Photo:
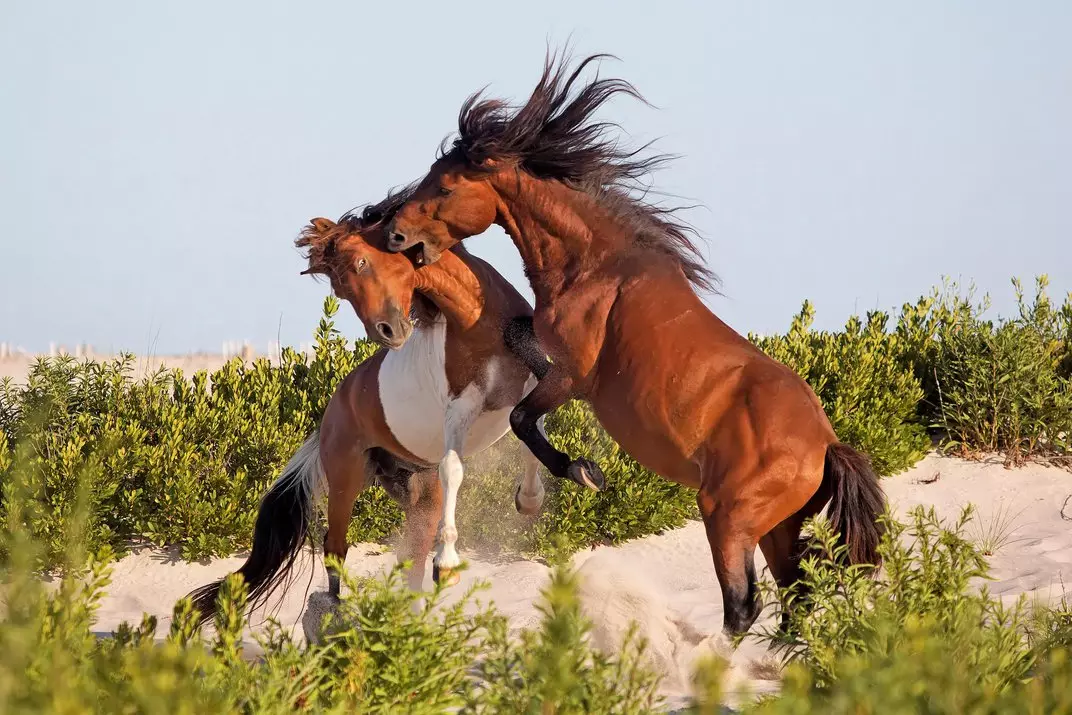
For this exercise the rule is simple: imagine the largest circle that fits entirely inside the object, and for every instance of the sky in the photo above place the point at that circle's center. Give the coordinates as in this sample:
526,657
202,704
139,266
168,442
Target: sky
157,160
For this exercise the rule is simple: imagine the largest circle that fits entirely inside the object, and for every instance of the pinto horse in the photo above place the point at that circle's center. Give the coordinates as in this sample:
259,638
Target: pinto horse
618,313
443,389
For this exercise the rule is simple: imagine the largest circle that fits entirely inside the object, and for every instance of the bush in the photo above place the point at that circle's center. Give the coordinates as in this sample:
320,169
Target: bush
977,385
1005,387
921,637
918,638
377,652
927,580
185,461
922,673
860,376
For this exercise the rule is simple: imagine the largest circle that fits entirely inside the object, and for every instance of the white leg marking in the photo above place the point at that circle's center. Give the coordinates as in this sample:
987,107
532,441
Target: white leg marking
461,413
451,474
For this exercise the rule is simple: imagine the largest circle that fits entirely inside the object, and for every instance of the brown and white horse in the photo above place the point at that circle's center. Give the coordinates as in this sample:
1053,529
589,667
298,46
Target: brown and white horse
617,311
443,389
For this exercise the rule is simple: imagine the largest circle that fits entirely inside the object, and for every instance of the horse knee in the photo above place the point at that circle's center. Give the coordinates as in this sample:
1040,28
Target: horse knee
517,419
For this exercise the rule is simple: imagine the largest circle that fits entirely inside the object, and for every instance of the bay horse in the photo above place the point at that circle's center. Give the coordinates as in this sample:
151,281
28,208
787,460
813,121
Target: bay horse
617,310
442,387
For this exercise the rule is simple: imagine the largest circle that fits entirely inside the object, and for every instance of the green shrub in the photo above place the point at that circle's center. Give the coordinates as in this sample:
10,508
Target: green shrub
927,578
183,461
921,637
1005,387
860,376
922,672
918,638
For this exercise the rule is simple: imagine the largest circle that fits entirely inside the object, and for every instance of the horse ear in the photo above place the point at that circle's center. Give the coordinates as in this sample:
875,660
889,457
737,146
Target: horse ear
322,224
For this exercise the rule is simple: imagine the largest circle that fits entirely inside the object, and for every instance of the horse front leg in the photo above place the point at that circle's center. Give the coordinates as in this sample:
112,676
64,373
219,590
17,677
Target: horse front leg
461,414
553,389
550,393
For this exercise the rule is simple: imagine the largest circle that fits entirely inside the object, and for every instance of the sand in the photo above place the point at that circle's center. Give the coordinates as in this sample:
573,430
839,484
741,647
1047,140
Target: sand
666,582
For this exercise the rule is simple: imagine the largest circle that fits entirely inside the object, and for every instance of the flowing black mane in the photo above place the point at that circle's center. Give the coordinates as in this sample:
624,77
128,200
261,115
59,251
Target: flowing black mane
554,136
369,216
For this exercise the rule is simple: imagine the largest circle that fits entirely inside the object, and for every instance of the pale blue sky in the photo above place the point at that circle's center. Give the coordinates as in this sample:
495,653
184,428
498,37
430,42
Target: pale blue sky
157,159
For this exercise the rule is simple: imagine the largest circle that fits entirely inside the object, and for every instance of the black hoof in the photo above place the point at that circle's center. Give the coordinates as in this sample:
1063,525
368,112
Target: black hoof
586,473
737,622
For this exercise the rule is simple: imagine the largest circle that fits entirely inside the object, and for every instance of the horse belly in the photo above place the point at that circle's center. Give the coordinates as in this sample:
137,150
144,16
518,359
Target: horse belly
487,429
656,414
650,442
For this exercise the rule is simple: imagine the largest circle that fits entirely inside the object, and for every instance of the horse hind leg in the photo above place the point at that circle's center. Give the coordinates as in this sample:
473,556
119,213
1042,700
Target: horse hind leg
738,508
530,492
783,548
422,519
733,552
346,477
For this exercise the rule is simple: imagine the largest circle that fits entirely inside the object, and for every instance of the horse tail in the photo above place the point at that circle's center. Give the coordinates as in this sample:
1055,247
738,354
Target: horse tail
284,519
856,502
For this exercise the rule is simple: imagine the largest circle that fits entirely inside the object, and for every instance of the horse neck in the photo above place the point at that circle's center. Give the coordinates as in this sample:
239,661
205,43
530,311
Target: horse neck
560,233
454,288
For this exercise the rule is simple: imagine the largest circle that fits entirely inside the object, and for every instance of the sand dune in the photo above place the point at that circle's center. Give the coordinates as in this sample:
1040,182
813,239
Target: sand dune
667,582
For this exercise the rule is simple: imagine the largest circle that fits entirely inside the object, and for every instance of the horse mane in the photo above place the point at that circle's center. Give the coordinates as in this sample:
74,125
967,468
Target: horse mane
554,136
368,221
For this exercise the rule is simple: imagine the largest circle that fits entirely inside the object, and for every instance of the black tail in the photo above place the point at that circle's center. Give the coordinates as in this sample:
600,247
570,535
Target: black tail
856,502
283,521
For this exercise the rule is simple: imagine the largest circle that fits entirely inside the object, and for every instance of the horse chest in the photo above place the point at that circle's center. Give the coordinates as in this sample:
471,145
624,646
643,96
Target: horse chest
417,404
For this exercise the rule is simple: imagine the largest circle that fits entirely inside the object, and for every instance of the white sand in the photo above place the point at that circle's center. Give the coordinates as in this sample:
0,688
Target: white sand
667,582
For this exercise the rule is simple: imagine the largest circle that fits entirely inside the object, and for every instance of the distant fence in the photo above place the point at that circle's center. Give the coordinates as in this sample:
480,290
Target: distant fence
229,349
245,351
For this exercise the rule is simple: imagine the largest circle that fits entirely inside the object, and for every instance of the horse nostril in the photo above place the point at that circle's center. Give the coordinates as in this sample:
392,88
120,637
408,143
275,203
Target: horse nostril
385,331
396,239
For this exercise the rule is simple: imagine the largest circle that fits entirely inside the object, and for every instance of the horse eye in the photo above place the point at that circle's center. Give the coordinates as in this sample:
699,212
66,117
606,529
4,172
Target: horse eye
444,191
361,264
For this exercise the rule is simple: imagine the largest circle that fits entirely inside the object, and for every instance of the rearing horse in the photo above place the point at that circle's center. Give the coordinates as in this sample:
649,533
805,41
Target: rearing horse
617,312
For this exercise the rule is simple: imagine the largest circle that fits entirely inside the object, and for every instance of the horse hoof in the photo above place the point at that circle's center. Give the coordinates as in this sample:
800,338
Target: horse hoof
532,508
445,575
586,473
